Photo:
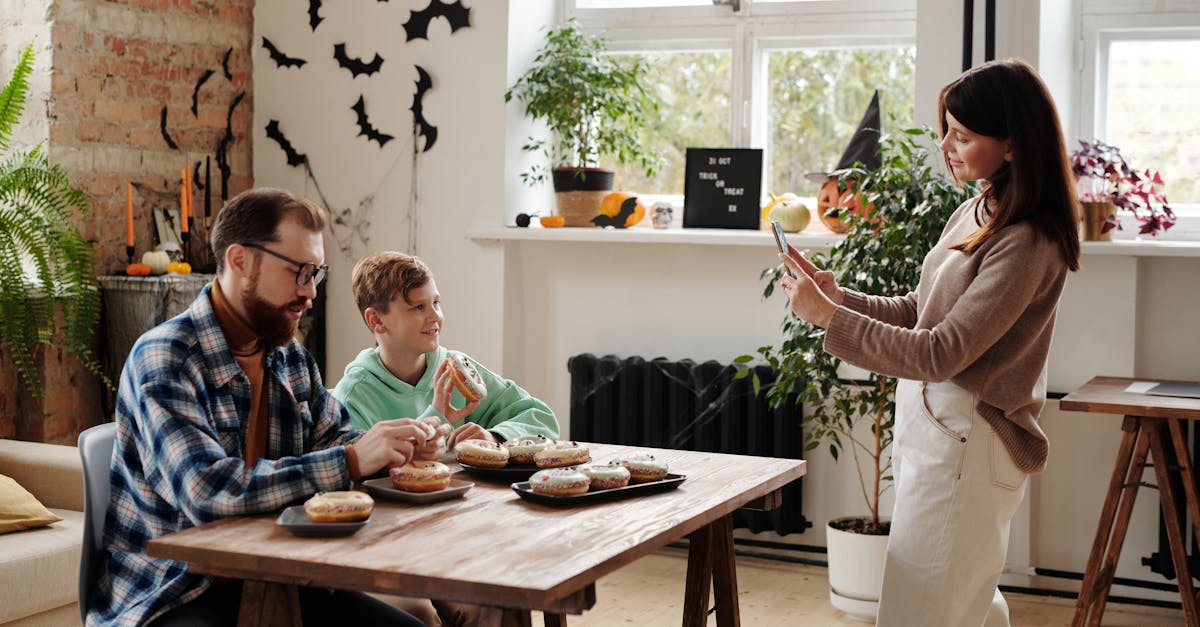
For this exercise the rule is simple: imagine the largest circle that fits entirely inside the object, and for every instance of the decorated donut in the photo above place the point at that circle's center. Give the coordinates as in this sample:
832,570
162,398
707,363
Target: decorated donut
420,476
643,467
344,506
521,450
481,453
559,481
562,453
606,476
465,377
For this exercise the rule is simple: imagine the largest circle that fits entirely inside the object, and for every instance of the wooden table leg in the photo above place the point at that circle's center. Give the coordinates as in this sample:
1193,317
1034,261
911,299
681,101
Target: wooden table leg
1191,494
1130,428
724,575
1166,496
699,576
555,620
266,604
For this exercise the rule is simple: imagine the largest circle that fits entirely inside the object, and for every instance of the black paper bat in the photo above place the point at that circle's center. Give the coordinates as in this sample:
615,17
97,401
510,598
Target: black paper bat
162,126
618,221
364,125
281,59
196,177
314,17
223,147
293,157
196,89
417,26
225,64
424,128
356,66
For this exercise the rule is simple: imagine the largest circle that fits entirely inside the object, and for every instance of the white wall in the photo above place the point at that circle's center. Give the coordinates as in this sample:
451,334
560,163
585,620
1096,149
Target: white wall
24,22
525,307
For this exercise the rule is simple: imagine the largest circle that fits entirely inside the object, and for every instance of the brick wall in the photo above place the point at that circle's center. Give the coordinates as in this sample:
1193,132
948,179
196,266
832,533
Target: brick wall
113,66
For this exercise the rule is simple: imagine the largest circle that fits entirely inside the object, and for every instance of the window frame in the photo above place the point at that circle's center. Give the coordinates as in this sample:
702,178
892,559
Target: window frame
1102,22
749,34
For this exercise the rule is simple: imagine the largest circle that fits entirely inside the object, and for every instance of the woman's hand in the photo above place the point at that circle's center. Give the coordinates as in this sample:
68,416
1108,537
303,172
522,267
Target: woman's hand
471,431
443,389
823,278
390,443
808,299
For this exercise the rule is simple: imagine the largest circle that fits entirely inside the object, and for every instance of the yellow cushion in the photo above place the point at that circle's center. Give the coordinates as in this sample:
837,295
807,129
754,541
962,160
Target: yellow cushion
19,509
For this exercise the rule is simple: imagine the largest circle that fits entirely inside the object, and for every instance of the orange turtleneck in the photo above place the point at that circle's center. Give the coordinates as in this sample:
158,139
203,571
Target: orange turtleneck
250,351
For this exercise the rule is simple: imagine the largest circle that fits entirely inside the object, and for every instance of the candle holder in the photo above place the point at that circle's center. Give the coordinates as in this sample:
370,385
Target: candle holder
186,236
128,255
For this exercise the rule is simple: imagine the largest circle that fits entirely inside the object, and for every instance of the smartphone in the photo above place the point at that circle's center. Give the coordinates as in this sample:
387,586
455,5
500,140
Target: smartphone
781,242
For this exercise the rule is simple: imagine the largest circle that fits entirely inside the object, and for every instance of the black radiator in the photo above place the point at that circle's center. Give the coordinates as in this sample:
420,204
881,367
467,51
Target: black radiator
690,406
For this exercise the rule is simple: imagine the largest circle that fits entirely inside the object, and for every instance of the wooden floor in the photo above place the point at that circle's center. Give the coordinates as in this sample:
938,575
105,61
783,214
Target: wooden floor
649,593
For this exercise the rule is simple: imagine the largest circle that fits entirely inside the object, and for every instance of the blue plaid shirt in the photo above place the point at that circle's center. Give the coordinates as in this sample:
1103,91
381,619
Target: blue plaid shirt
181,416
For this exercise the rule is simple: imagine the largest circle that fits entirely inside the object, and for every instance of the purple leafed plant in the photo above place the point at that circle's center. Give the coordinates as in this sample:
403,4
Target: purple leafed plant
1102,175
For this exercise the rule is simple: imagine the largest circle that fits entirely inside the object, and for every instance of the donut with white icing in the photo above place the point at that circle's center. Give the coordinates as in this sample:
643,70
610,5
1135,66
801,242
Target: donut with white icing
465,377
606,476
559,482
643,467
424,476
522,450
562,453
342,506
481,453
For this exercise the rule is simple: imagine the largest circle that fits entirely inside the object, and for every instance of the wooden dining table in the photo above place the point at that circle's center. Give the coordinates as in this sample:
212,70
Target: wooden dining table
494,549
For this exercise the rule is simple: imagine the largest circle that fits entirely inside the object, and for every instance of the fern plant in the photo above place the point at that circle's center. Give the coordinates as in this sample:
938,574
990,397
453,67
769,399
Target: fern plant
49,292
910,201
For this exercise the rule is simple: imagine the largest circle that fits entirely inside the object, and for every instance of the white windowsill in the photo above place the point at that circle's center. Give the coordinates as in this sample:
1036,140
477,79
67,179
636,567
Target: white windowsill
746,237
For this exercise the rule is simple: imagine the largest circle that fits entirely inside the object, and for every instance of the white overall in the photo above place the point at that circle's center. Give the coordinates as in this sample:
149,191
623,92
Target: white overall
957,490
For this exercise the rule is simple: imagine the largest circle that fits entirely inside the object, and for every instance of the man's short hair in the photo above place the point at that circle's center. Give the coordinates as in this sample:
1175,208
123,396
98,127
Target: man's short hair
380,277
254,215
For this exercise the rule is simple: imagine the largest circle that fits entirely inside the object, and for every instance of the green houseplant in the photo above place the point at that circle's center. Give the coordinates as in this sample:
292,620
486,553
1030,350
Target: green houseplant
593,105
49,293
908,201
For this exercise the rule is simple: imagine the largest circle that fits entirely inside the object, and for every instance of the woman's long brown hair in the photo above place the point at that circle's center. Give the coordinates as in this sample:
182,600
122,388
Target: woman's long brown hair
1007,100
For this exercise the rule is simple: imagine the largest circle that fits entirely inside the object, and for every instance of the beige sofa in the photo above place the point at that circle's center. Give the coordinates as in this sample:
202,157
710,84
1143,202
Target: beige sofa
39,568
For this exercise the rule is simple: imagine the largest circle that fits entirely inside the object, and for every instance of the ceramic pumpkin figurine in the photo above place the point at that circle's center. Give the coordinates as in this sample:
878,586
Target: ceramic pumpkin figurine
612,204
830,196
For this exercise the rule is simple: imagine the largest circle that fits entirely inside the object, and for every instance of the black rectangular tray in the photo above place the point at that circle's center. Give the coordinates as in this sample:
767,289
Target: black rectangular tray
671,482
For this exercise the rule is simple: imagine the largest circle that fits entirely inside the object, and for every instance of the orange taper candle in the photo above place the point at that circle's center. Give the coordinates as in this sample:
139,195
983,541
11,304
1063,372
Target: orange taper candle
129,214
183,201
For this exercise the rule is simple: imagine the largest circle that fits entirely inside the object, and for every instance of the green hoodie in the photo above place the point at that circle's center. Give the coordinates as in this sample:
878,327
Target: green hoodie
372,393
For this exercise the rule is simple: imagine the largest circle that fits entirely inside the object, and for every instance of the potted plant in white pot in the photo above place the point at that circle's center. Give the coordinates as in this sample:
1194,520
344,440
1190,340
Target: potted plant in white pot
49,293
907,201
594,106
1106,183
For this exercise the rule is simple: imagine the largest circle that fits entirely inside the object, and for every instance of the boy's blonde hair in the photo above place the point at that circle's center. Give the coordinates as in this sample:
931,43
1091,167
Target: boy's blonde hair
378,278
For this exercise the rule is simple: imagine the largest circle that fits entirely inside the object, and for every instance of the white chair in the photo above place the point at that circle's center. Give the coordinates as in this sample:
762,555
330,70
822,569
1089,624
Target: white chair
95,449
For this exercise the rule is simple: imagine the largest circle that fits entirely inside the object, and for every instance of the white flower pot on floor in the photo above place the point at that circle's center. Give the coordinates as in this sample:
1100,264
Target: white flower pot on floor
855,571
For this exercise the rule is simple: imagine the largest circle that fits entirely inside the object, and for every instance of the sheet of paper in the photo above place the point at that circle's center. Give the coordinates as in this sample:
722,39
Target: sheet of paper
1140,387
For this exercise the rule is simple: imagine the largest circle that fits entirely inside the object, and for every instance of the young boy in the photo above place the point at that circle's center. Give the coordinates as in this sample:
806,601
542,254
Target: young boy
405,374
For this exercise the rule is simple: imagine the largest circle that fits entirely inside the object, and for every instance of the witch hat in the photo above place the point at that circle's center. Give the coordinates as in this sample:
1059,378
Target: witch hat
863,147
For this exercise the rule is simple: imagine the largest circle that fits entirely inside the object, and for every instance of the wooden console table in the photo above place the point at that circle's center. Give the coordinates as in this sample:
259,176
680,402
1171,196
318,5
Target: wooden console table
1151,424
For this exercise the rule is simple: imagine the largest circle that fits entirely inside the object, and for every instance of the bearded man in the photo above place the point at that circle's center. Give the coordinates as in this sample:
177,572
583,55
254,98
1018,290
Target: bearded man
221,412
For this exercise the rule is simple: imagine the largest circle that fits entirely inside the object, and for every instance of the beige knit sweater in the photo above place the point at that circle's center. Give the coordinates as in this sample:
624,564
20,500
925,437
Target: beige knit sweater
983,321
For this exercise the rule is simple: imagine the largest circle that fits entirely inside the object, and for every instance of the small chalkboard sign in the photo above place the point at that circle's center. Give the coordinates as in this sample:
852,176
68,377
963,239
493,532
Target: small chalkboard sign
721,188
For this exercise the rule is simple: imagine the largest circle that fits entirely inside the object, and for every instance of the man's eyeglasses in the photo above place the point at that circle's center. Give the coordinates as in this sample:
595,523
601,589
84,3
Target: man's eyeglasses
305,270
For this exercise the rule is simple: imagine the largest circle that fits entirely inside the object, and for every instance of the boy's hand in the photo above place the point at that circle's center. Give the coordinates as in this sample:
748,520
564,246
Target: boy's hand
390,443
471,431
443,389
435,447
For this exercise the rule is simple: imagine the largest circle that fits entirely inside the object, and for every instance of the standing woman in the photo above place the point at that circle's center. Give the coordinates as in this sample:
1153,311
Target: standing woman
969,347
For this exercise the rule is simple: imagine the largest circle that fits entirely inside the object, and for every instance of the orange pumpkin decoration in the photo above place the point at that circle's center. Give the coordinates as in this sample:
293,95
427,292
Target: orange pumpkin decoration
137,269
552,222
611,206
832,203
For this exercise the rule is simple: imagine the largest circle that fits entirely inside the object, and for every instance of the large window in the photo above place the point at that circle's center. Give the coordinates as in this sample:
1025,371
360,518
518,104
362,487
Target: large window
1140,91
790,77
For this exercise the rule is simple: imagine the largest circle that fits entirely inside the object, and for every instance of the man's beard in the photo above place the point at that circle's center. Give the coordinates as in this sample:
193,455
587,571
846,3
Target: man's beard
270,322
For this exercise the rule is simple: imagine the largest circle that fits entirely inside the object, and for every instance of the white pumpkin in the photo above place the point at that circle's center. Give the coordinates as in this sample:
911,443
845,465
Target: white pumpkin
157,260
